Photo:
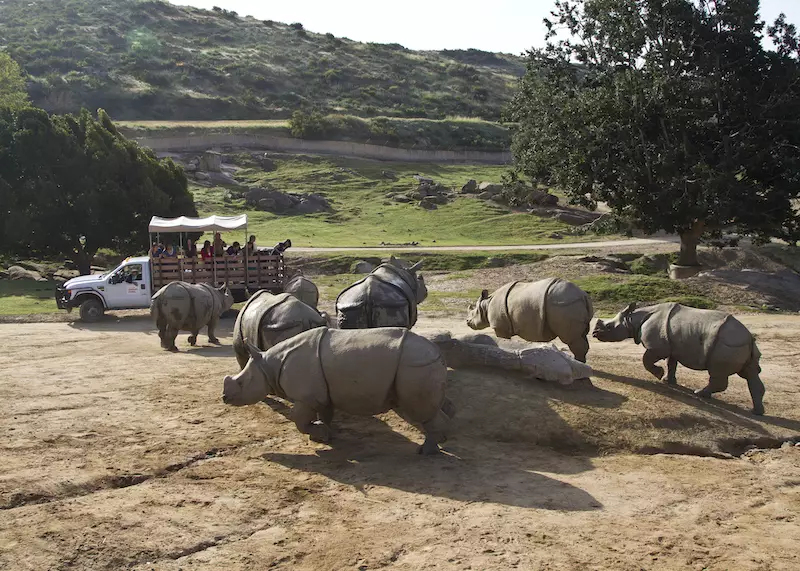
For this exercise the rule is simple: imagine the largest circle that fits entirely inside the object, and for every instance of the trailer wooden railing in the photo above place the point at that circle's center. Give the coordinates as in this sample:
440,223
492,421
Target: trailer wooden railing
261,271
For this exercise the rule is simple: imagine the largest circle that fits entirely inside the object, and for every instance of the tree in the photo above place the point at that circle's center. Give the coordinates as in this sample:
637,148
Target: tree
670,111
13,93
63,177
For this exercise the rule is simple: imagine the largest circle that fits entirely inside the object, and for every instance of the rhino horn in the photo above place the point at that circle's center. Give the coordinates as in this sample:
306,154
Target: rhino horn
416,266
253,350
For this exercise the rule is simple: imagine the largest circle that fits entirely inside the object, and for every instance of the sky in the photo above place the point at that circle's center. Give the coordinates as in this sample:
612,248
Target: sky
510,26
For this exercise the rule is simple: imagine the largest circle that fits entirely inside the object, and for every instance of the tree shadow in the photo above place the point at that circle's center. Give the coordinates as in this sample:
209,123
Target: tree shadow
366,452
729,412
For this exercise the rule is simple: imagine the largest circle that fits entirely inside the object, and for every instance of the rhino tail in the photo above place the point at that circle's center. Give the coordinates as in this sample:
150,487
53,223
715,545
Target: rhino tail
752,367
589,312
448,408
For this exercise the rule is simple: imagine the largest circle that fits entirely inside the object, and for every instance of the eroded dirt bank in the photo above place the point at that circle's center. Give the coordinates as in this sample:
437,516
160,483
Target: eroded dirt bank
118,455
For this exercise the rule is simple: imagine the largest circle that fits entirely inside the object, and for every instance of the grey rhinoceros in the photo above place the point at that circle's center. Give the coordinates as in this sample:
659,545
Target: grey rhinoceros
537,311
180,306
268,319
361,372
387,297
303,289
698,339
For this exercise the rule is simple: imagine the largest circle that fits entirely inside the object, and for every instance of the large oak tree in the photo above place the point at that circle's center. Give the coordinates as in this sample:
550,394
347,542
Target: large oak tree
670,111
65,176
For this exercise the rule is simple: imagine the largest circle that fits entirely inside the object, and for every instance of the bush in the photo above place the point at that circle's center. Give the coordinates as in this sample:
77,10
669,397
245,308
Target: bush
296,26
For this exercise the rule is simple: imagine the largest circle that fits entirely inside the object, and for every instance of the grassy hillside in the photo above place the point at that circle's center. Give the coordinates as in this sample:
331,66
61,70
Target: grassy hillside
456,133
363,216
147,59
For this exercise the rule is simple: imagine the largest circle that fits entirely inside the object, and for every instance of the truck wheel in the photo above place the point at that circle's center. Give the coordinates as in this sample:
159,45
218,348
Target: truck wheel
91,310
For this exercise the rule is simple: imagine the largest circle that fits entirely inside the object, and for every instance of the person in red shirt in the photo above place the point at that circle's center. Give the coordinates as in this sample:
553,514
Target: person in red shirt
207,252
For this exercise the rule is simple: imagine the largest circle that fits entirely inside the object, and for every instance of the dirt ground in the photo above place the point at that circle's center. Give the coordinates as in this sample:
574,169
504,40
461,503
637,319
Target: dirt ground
118,455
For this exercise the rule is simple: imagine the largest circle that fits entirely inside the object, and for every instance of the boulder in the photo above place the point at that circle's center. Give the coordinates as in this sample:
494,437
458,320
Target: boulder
20,273
471,187
190,167
33,266
436,198
389,174
267,199
200,175
486,195
608,263
222,179
211,161
542,198
423,180
266,164
307,206
401,198
362,267
574,217
491,187
427,204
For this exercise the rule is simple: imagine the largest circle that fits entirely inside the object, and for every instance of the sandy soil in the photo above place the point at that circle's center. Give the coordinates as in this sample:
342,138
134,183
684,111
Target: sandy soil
117,455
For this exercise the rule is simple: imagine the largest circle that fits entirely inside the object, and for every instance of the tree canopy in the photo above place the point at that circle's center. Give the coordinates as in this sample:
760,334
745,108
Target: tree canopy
671,112
65,176
13,94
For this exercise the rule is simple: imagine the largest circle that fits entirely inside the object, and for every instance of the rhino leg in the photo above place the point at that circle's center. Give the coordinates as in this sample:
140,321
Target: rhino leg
649,360
435,432
211,326
193,338
579,349
716,384
305,419
326,415
169,339
672,367
751,373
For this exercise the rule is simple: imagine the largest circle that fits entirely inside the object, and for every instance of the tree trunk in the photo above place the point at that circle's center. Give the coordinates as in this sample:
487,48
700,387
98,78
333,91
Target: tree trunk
689,241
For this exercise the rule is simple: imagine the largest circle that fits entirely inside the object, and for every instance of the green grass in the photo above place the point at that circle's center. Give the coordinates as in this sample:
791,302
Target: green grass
451,133
341,263
24,297
610,293
146,59
363,216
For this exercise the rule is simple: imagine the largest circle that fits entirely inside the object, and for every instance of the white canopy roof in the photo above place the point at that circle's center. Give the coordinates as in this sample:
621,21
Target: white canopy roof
209,224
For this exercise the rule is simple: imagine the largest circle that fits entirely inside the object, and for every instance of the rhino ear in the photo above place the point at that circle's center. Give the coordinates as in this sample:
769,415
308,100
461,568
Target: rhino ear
484,294
392,258
629,309
222,288
253,350
416,266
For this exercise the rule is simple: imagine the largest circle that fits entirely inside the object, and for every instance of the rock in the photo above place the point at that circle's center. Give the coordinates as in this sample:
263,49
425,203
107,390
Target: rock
200,175
401,198
266,205
33,266
20,273
486,195
436,198
222,179
276,201
211,161
573,217
491,187
266,164
539,197
362,267
556,236
471,187
427,205
308,206
423,180
3,274
609,263
389,195
190,167
389,174
65,275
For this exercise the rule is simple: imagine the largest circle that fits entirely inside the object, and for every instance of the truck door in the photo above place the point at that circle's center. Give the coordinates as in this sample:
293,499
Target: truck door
127,288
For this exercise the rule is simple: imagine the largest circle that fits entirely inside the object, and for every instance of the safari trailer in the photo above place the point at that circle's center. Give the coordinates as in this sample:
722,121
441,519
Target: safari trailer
135,280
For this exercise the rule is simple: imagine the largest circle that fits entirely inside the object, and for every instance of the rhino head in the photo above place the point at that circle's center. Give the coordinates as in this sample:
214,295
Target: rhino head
421,289
618,329
251,384
477,315
226,298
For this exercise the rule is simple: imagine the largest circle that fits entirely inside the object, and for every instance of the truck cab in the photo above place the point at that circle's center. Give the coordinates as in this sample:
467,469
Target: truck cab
128,286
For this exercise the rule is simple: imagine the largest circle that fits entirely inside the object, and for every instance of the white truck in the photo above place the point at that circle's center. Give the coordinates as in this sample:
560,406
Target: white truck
131,284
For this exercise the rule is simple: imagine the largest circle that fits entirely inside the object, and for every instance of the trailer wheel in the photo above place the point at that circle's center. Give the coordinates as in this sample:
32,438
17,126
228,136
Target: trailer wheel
91,310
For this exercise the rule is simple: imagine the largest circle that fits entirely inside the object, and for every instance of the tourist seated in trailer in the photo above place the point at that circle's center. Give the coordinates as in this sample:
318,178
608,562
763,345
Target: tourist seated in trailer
219,245
156,250
235,249
169,251
251,245
191,249
207,252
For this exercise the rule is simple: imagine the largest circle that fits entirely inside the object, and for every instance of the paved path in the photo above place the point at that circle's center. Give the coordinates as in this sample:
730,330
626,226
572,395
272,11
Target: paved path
563,246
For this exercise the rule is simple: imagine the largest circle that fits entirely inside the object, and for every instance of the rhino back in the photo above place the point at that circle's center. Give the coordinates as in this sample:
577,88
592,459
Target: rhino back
371,302
568,310
304,290
693,334
524,304
360,368
301,378
733,350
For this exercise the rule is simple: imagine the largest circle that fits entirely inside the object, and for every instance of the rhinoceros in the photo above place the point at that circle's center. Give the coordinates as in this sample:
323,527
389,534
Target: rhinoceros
387,297
268,319
537,311
361,372
303,289
699,339
180,306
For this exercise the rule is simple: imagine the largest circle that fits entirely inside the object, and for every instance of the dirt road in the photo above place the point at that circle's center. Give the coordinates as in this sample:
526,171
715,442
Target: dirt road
117,455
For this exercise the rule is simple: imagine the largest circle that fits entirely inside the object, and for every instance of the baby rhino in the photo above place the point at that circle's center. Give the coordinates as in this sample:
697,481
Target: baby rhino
699,339
538,311
359,371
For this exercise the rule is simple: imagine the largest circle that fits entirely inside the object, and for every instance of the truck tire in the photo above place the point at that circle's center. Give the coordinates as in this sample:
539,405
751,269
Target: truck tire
91,310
